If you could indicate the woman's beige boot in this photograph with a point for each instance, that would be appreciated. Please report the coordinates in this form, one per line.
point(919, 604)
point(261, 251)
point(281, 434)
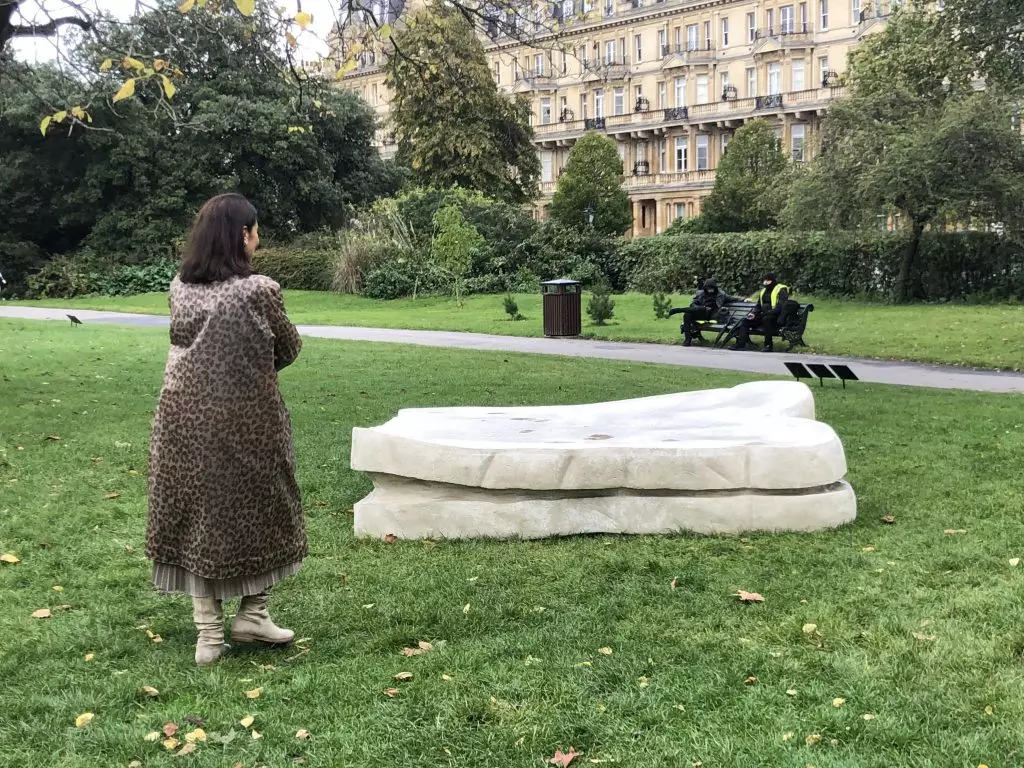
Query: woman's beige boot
point(253, 623)
point(208, 615)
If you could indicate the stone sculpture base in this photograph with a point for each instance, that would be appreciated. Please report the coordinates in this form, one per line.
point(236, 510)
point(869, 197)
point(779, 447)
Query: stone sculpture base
point(749, 458)
point(417, 510)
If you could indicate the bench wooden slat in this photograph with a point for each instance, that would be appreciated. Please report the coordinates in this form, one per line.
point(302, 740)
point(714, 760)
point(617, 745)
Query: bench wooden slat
point(726, 323)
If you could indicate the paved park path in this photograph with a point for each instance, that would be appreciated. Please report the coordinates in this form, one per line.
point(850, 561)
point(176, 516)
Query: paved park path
point(875, 371)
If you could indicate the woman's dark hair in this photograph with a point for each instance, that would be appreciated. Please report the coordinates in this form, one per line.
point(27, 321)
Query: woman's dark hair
point(216, 245)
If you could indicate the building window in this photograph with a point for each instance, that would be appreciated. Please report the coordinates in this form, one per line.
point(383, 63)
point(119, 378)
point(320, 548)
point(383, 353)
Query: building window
point(702, 153)
point(787, 19)
point(662, 156)
point(774, 78)
point(771, 21)
point(822, 69)
point(679, 211)
point(638, 52)
point(545, 111)
point(725, 83)
point(622, 151)
point(662, 95)
point(726, 138)
point(707, 35)
point(663, 42)
point(803, 18)
point(619, 101)
point(751, 27)
point(565, 63)
point(824, 15)
point(680, 92)
point(546, 167)
point(583, 107)
point(497, 72)
point(799, 80)
point(702, 89)
point(678, 35)
point(609, 52)
point(682, 152)
point(797, 133)
point(691, 38)
point(599, 102)
point(725, 33)
point(751, 82)
point(538, 64)
point(855, 12)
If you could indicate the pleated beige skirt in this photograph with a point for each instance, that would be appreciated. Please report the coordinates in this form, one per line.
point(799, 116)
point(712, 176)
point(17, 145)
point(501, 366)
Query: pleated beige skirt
point(174, 578)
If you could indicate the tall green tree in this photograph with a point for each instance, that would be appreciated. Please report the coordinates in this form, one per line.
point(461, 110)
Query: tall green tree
point(452, 124)
point(992, 33)
point(750, 183)
point(592, 184)
point(912, 140)
point(128, 183)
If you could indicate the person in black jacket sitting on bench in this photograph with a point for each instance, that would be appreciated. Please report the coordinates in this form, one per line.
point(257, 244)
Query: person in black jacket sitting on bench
point(705, 305)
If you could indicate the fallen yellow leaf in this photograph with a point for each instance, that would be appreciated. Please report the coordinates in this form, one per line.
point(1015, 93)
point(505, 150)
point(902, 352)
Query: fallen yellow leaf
point(446, 678)
point(256, 735)
point(954, 532)
point(150, 691)
point(152, 736)
point(255, 693)
point(838, 702)
point(403, 676)
point(467, 608)
point(303, 734)
point(42, 613)
point(810, 629)
point(170, 744)
point(791, 692)
point(84, 719)
point(923, 637)
point(392, 692)
point(188, 749)
point(246, 721)
point(606, 651)
point(58, 588)
point(197, 735)
point(1014, 562)
point(10, 558)
point(990, 710)
point(812, 739)
point(112, 495)
point(749, 597)
point(868, 716)
point(868, 549)
point(750, 680)
point(787, 736)
point(643, 682)
point(90, 656)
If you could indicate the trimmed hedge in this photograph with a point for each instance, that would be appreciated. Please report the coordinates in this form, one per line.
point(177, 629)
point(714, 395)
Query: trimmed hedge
point(950, 266)
point(299, 269)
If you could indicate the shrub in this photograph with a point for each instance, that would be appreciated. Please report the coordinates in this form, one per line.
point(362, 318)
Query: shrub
point(662, 305)
point(84, 273)
point(511, 308)
point(400, 278)
point(600, 307)
point(17, 262)
point(303, 266)
point(556, 251)
point(953, 266)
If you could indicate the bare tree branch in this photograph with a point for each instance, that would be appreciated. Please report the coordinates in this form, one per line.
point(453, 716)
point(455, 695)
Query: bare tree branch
point(49, 28)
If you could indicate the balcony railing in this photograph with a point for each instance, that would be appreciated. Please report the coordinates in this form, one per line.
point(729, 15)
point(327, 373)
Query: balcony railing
point(703, 178)
point(594, 124)
point(642, 105)
point(676, 113)
point(768, 102)
point(691, 51)
point(642, 168)
point(789, 32)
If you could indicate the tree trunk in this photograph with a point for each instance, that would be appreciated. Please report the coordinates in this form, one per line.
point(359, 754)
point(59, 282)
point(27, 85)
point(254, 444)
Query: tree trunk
point(906, 284)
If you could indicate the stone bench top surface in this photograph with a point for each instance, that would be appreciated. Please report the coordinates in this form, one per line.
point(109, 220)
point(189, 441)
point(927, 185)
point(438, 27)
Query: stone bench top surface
point(760, 435)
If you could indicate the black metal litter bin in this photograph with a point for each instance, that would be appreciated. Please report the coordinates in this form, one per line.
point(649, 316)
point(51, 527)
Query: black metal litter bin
point(562, 307)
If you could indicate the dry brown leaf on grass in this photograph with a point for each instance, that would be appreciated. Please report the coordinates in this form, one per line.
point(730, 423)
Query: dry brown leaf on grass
point(421, 647)
point(990, 710)
point(390, 538)
point(838, 702)
point(188, 749)
point(84, 719)
point(303, 735)
point(564, 758)
point(255, 693)
point(750, 680)
point(1014, 562)
point(391, 692)
point(153, 636)
point(675, 582)
point(749, 597)
point(152, 736)
point(811, 740)
point(111, 495)
point(256, 735)
point(170, 744)
point(9, 558)
point(403, 676)
point(923, 637)
point(868, 716)
point(810, 629)
point(197, 735)
point(606, 651)
point(954, 532)
point(888, 519)
point(246, 721)
point(42, 613)
point(149, 690)
point(791, 692)
point(170, 729)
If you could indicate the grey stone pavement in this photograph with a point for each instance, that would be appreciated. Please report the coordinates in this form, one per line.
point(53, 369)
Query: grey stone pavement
point(874, 371)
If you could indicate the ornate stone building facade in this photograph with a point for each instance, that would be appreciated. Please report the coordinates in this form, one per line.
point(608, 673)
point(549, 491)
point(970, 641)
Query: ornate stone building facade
point(670, 81)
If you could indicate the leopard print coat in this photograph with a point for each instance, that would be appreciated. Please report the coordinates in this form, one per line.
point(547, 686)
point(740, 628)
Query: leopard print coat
point(223, 499)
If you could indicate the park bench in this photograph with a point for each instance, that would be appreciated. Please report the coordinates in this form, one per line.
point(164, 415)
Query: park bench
point(726, 323)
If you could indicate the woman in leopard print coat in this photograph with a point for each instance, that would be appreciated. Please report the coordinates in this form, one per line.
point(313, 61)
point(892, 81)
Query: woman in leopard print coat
point(225, 516)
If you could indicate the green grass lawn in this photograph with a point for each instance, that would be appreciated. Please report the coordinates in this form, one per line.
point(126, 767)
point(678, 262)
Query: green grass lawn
point(914, 627)
point(981, 336)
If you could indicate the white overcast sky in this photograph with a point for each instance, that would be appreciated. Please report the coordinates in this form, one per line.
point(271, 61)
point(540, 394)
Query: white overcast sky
point(311, 43)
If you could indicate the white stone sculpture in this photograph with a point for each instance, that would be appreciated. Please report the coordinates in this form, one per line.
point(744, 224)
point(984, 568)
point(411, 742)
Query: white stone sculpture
point(715, 461)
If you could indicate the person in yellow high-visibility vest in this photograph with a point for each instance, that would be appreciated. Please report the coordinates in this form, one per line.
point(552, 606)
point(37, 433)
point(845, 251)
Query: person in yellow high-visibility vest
point(771, 300)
